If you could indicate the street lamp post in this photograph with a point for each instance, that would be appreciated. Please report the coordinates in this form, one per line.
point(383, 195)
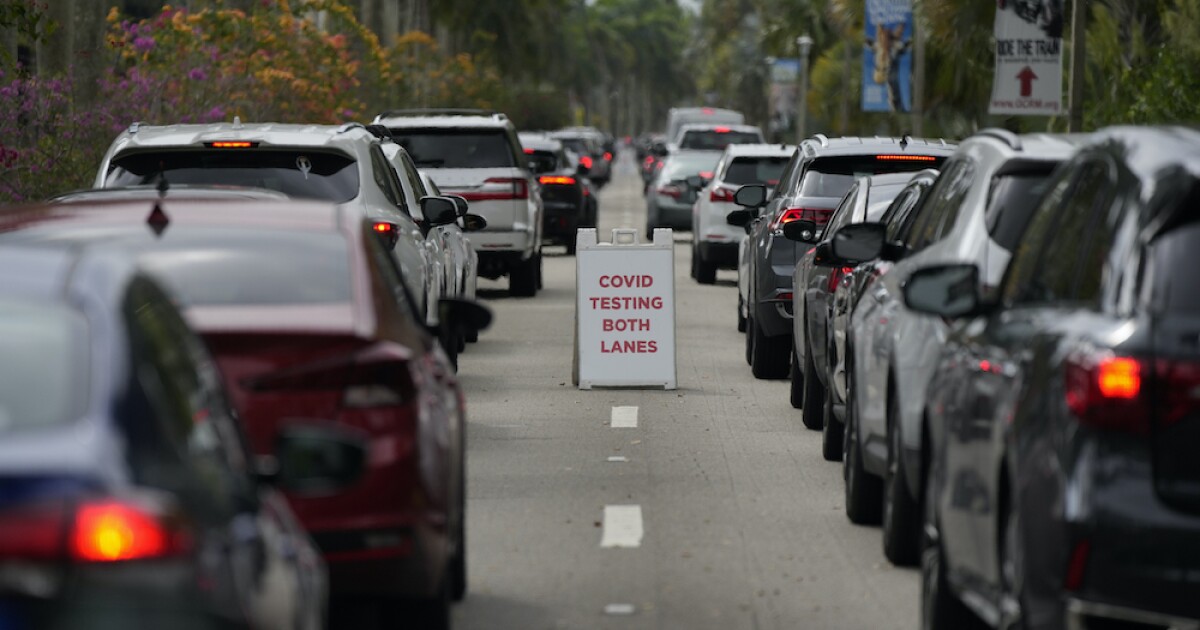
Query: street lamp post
point(804, 43)
point(769, 63)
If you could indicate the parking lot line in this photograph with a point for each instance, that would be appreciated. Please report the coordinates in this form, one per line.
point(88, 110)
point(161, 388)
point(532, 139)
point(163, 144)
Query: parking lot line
point(622, 526)
point(624, 418)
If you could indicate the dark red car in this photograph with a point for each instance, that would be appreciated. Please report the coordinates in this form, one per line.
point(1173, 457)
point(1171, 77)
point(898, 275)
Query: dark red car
point(305, 313)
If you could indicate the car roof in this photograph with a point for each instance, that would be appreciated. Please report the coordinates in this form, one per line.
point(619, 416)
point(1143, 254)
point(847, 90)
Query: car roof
point(177, 191)
point(541, 143)
point(760, 150)
point(139, 136)
point(292, 214)
point(36, 273)
point(820, 145)
point(1032, 146)
point(1148, 151)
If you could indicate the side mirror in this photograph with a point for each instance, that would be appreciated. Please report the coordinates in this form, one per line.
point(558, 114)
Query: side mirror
point(460, 202)
point(804, 231)
point(695, 182)
point(859, 242)
point(439, 210)
point(823, 255)
point(473, 222)
point(946, 290)
point(319, 458)
point(751, 196)
point(740, 218)
point(467, 314)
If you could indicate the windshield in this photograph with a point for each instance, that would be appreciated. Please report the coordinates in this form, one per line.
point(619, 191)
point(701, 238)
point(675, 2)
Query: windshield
point(755, 170)
point(43, 365)
point(456, 148)
point(306, 174)
point(211, 267)
point(682, 166)
point(716, 140)
point(832, 177)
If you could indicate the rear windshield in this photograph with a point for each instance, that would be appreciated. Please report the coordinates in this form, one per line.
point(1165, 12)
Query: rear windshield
point(684, 166)
point(456, 148)
point(714, 140)
point(43, 367)
point(833, 177)
point(1013, 199)
point(1173, 255)
point(578, 145)
point(214, 267)
point(755, 170)
point(310, 175)
point(543, 161)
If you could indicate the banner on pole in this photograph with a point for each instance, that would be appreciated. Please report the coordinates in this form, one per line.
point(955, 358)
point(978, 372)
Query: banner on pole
point(887, 56)
point(784, 73)
point(1028, 78)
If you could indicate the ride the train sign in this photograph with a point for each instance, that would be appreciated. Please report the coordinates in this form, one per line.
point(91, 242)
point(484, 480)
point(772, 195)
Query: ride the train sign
point(1028, 79)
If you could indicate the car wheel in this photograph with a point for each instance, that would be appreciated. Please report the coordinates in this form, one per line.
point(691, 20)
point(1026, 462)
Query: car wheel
point(749, 339)
point(706, 272)
point(570, 243)
point(741, 319)
point(538, 271)
point(831, 433)
point(796, 389)
point(769, 356)
point(812, 407)
point(901, 511)
point(695, 262)
point(522, 280)
point(434, 613)
point(863, 490)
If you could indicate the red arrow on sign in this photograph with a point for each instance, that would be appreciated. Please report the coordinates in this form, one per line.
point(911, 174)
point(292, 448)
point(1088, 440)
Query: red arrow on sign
point(1026, 76)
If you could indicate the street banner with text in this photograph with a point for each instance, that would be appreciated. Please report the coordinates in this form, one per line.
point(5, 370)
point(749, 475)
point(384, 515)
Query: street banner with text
point(887, 56)
point(1028, 79)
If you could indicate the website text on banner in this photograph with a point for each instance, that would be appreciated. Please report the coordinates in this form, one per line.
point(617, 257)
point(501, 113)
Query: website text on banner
point(625, 310)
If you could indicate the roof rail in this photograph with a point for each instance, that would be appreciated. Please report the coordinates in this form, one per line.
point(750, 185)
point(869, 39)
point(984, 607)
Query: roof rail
point(350, 126)
point(822, 138)
point(380, 131)
point(133, 128)
point(438, 111)
point(1003, 135)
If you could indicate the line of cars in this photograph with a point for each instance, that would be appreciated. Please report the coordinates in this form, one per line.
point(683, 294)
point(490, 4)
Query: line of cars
point(998, 341)
point(228, 391)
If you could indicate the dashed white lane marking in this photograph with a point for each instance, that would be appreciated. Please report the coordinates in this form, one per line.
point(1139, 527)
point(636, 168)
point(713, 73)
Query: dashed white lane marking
point(618, 458)
point(619, 609)
point(622, 526)
point(624, 418)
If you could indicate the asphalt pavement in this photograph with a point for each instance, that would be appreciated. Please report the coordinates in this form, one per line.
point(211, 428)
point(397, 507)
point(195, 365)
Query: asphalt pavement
point(714, 510)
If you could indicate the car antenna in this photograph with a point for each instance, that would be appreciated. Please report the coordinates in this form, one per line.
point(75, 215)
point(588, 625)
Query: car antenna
point(158, 219)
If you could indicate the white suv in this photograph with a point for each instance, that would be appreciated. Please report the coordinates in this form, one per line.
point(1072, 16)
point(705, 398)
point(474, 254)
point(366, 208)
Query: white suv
point(476, 154)
point(338, 163)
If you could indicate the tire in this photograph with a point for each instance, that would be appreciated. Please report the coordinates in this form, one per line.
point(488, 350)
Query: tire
point(901, 510)
point(570, 243)
point(749, 339)
point(538, 270)
point(434, 613)
point(940, 608)
point(831, 433)
point(741, 319)
point(695, 262)
point(768, 357)
point(864, 500)
point(796, 390)
point(706, 272)
point(812, 408)
point(523, 278)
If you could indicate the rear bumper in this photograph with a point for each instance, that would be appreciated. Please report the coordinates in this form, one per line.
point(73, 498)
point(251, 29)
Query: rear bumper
point(518, 240)
point(411, 562)
point(560, 222)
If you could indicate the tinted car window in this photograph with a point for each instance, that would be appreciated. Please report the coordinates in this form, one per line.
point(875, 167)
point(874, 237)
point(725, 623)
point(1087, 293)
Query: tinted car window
point(713, 140)
point(221, 266)
point(456, 148)
point(1172, 258)
point(1013, 198)
point(1024, 270)
point(43, 365)
point(832, 176)
point(543, 161)
point(680, 166)
point(755, 170)
point(310, 175)
point(940, 209)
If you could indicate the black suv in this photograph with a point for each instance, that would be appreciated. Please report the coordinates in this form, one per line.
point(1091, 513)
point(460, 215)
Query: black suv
point(813, 184)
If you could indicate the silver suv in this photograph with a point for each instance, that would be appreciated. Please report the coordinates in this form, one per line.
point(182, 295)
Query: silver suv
point(476, 154)
point(338, 163)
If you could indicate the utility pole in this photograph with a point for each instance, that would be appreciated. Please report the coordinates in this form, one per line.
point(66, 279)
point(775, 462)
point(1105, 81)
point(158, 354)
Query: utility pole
point(918, 84)
point(804, 43)
point(1078, 61)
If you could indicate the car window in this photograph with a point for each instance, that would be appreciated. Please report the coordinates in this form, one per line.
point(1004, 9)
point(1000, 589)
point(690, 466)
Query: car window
point(218, 266)
point(787, 180)
point(1023, 270)
point(899, 210)
point(389, 274)
point(844, 213)
point(681, 166)
point(716, 139)
point(1098, 222)
point(832, 176)
point(941, 203)
point(43, 367)
point(879, 198)
point(457, 148)
point(1172, 257)
point(543, 161)
point(387, 179)
point(1012, 200)
point(755, 170)
point(306, 174)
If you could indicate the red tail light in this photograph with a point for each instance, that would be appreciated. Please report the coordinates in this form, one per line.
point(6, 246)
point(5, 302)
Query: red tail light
point(528, 151)
point(231, 144)
point(106, 530)
point(820, 216)
point(721, 194)
point(586, 161)
point(670, 190)
point(1105, 392)
point(499, 189)
point(384, 228)
point(562, 181)
point(721, 130)
point(835, 276)
point(608, 156)
point(906, 158)
point(33, 533)
point(649, 159)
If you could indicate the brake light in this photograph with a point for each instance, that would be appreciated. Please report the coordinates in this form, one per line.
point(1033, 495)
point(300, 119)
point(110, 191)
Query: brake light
point(111, 531)
point(562, 181)
point(721, 129)
point(586, 161)
point(721, 194)
point(608, 156)
point(232, 144)
point(905, 158)
point(670, 190)
point(836, 275)
point(383, 228)
point(499, 189)
point(706, 174)
point(819, 216)
point(1105, 391)
point(707, 110)
point(528, 151)
point(649, 159)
